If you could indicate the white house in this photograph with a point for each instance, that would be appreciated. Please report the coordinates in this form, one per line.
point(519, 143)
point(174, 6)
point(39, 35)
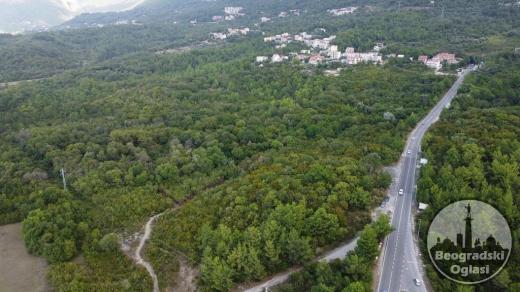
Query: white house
point(219, 36)
point(334, 53)
point(233, 10)
point(342, 11)
point(261, 59)
point(277, 58)
point(353, 58)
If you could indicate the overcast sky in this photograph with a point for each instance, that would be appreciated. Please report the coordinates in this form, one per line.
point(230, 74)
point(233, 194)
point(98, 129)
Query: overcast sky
point(22, 15)
point(86, 5)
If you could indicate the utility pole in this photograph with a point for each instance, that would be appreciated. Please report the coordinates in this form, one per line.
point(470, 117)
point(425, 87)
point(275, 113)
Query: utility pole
point(62, 172)
point(418, 227)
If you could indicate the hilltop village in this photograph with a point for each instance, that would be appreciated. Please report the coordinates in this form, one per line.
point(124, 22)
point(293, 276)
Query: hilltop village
point(323, 51)
point(319, 50)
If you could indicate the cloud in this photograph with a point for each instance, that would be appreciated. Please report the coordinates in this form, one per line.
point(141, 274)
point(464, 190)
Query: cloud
point(81, 6)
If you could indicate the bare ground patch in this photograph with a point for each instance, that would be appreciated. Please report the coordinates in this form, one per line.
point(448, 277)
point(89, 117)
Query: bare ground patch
point(20, 271)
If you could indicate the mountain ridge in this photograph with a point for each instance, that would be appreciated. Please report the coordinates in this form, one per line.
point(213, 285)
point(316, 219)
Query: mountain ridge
point(18, 16)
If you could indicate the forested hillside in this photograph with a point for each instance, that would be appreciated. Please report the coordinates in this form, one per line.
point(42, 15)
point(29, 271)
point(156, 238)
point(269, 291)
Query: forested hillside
point(266, 166)
point(246, 143)
point(469, 28)
point(474, 153)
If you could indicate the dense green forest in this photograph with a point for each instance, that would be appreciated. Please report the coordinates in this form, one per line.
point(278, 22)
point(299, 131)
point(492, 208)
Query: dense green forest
point(474, 153)
point(310, 169)
point(250, 144)
point(268, 167)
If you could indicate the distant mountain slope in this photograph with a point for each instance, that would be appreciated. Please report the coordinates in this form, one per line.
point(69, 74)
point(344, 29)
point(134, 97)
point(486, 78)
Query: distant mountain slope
point(27, 15)
point(17, 16)
point(201, 10)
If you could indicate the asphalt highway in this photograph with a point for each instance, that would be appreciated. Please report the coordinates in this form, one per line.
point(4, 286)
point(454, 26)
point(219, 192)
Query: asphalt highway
point(401, 262)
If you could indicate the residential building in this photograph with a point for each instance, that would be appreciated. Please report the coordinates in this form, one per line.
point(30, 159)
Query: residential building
point(378, 47)
point(432, 63)
point(436, 61)
point(442, 57)
point(353, 58)
point(306, 36)
point(233, 10)
point(277, 58)
point(342, 11)
point(334, 53)
point(219, 35)
point(261, 59)
point(315, 59)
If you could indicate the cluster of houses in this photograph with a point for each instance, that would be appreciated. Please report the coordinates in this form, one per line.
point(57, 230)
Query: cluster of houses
point(331, 54)
point(437, 61)
point(320, 51)
point(230, 13)
point(352, 57)
point(283, 39)
point(230, 32)
point(342, 11)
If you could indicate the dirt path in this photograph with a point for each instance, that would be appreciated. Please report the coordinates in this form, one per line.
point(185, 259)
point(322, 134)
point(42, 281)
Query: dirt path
point(14, 83)
point(20, 271)
point(138, 256)
point(133, 247)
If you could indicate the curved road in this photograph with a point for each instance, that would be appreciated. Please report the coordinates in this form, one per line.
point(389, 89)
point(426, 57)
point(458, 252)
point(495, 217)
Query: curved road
point(401, 260)
point(337, 253)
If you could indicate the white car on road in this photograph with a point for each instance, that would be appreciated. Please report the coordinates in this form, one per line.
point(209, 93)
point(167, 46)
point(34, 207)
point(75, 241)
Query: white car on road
point(401, 192)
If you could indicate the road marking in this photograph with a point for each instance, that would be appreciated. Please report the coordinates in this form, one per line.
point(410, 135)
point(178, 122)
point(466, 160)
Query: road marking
point(398, 227)
point(416, 135)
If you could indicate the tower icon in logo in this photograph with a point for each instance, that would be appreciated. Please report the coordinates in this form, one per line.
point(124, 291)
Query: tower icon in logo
point(468, 237)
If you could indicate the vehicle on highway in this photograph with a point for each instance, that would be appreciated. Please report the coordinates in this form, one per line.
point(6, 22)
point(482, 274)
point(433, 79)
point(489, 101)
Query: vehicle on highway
point(401, 192)
point(409, 152)
point(417, 282)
